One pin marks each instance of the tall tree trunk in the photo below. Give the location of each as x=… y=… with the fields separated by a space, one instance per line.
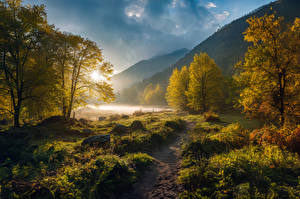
x=70 y=106
x=64 y=103
x=17 y=116
x=282 y=81
x=203 y=93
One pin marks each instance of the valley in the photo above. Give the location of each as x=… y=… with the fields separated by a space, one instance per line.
x=219 y=121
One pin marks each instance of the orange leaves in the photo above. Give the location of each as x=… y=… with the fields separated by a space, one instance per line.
x=293 y=140
x=263 y=29
x=270 y=72
x=284 y=137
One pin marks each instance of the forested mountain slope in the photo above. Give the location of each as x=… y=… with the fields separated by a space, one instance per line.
x=227 y=45
x=146 y=68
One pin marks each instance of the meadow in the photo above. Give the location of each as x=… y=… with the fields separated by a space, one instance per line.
x=218 y=159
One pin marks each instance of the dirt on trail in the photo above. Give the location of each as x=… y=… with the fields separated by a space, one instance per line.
x=160 y=180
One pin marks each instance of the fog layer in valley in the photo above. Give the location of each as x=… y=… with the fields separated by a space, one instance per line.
x=92 y=112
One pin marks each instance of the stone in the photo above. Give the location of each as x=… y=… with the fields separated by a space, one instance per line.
x=83 y=121
x=101 y=118
x=97 y=140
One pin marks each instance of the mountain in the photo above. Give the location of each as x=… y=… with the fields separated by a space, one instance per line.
x=227 y=45
x=145 y=69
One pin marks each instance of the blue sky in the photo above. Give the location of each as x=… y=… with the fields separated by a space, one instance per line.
x=131 y=30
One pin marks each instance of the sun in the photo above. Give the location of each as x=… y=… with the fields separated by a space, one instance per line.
x=96 y=76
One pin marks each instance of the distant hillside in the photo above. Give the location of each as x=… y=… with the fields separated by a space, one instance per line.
x=227 y=45
x=145 y=69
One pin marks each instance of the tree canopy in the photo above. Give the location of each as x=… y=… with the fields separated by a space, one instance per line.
x=270 y=72
x=44 y=71
x=178 y=85
x=204 y=90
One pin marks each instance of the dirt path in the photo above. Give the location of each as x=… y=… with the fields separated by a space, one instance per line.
x=160 y=180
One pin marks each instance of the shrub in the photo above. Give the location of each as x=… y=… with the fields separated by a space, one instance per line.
x=177 y=125
x=119 y=129
x=138 y=113
x=253 y=171
x=153 y=119
x=286 y=137
x=114 y=117
x=211 y=117
x=202 y=148
x=84 y=121
x=139 y=161
x=100 y=178
x=293 y=140
x=234 y=136
x=267 y=135
x=123 y=116
x=137 y=125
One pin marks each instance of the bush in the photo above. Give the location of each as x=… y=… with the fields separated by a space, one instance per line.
x=251 y=171
x=137 y=125
x=123 y=116
x=211 y=117
x=177 y=125
x=119 y=129
x=141 y=141
x=293 y=140
x=138 y=113
x=114 y=117
x=268 y=135
x=100 y=178
x=285 y=137
x=139 y=161
x=234 y=136
x=203 y=148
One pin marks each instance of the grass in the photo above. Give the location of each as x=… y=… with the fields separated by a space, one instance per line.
x=219 y=161
x=48 y=161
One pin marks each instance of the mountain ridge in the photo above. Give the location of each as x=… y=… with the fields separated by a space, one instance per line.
x=227 y=46
x=146 y=68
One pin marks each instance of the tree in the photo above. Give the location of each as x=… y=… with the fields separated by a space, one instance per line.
x=270 y=71
x=62 y=64
x=43 y=81
x=178 y=85
x=129 y=96
x=20 y=32
x=86 y=57
x=153 y=95
x=204 y=91
x=44 y=71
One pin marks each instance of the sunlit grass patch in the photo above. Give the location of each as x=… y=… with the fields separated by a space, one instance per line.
x=261 y=172
x=233 y=135
x=241 y=119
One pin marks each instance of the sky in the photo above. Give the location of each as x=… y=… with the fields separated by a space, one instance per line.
x=131 y=30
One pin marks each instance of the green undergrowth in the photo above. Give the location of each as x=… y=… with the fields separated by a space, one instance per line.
x=220 y=162
x=48 y=160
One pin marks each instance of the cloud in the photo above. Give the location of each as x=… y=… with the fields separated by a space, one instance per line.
x=134 y=11
x=211 y=5
x=131 y=30
x=221 y=17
